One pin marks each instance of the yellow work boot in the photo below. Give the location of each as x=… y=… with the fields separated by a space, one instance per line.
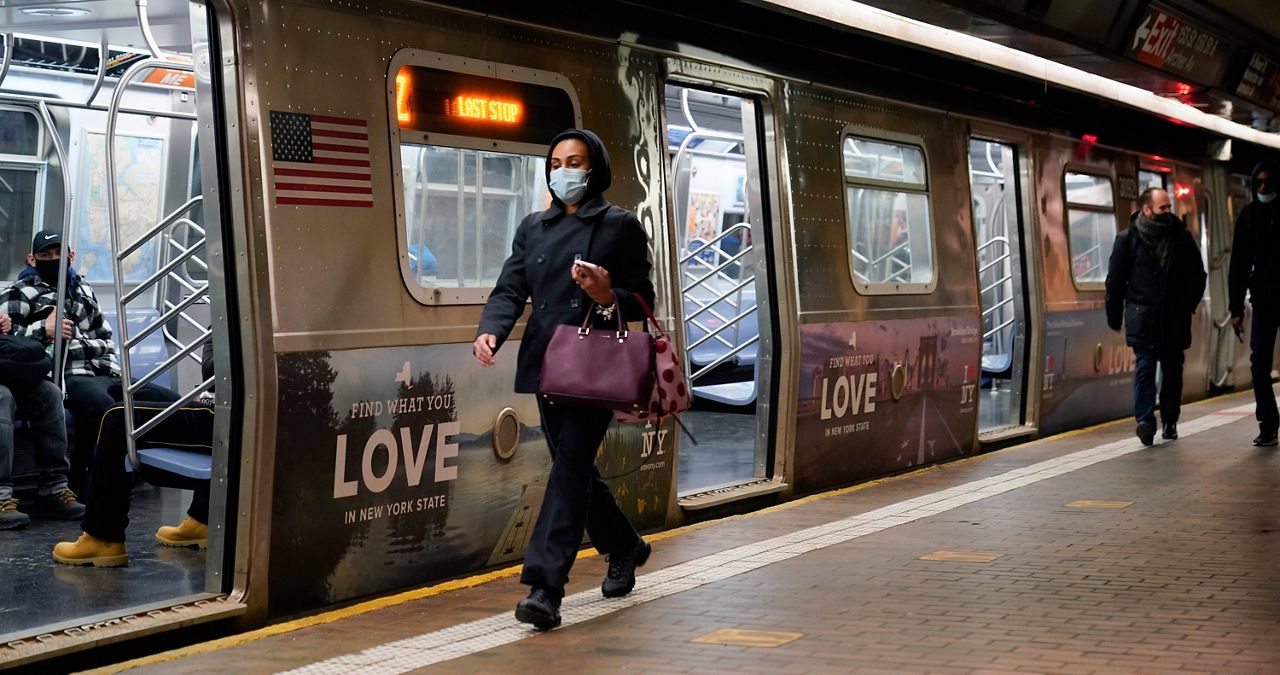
x=90 y=550
x=191 y=533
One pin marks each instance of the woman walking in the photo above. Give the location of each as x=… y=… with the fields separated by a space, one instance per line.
x=581 y=255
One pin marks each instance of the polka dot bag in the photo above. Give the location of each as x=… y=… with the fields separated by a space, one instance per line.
x=670 y=391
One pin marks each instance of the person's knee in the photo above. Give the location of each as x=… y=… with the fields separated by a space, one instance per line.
x=8 y=404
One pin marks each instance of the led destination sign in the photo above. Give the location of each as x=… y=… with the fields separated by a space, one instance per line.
x=485 y=109
x=439 y=101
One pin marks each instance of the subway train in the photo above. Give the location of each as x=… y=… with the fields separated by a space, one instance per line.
x=875 y=253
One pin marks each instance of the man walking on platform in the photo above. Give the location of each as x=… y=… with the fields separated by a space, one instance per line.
x=1154 y=282
x=1255 y=266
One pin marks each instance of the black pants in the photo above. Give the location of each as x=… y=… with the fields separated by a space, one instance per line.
x=1144 y=384
x=107 y=516
x=88 y=398
x=1262 y=343
x=576 y=498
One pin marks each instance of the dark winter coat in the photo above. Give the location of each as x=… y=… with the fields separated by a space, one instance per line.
x=1154 y=304
x=1255 y=249
x=542 y=254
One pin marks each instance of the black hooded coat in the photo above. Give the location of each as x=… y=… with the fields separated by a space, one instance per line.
x=1155 y=303
x=546 y=244
x=1255 y=249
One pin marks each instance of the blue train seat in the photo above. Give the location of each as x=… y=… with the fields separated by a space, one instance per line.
x=713 y=349
x=173 y=467
x=151 y=352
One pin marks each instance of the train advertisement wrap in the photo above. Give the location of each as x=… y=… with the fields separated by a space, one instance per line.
x=875 y=397
x=1088 y=371
x=387 y=474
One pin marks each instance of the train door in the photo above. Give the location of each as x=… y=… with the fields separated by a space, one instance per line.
x=110 y=162
x=998 y=176
x=720 y=213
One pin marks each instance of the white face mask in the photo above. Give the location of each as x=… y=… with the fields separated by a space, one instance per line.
x=569 y=184
x=1266 y=199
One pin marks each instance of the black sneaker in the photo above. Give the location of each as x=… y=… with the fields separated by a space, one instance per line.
x=621 y=577
x=61 y=505
x=1266 y=439
x=541 y=608
x=1170 y=431
x=10 y=517
x=1147 y=432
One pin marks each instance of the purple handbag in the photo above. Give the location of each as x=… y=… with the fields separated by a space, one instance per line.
x=598 y=368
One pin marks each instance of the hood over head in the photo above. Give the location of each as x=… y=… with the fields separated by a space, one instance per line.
x=601 y=171
x=1272 y=167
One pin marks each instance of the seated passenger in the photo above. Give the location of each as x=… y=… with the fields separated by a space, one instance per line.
x=107 y=517
x=90 y=356
x=40 y=402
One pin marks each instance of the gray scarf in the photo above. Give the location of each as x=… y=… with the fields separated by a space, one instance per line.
x=1157 y=233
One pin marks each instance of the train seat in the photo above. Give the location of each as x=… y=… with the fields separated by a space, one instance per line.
x=180 y=463
x=148 y=355
x=728 y=393
x=1000 y=364
x=713 y=349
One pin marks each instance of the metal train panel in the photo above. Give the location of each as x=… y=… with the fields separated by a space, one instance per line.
x=907 y=362
x=387 y=453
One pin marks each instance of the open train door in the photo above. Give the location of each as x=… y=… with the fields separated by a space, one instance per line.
x=1000 y=182
x=724 y=201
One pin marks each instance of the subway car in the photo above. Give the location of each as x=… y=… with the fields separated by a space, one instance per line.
x=875 y=254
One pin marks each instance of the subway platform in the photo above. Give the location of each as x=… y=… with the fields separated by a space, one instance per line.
x=1079 y=553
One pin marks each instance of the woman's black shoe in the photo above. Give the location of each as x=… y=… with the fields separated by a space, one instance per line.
x=541 y=608
x=621 y=577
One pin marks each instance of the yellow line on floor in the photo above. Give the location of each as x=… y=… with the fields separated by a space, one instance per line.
x=484 y=578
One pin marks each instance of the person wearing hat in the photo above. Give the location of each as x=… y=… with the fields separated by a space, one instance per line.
x=89 y=354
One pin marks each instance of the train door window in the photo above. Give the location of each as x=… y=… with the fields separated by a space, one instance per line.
x=1148 y=179
x=21 y=171
x=891 y=247
x=471 y=162
x=1091 y=226
x=719 y=207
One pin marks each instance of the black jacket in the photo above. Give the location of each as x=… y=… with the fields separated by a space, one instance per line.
x=1255 y=249
x=1155 y=304
x=541 y=256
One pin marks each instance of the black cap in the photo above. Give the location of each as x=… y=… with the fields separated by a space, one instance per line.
x=44 y=239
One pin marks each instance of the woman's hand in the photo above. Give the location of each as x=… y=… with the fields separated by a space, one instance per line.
x=594 y=280
x=483 y=349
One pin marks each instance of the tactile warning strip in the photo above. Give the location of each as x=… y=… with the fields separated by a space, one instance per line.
x=476 y=636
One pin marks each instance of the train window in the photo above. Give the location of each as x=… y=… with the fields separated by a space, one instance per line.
x=461 y=211
x=472 y=155
x=19 y=133
x=1150 y=179
x=1091 y=225
x=890 y=235
x=20 y=174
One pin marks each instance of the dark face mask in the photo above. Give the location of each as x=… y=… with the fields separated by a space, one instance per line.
x=48 y=271
x=1167 y=219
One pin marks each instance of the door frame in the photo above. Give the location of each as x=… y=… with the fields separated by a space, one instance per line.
x=1023 y=143
x=779 y=338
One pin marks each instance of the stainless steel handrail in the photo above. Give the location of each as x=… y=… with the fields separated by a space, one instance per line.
x=118 y=254
x=705 y=244
x=7 y=38
x=64 y=259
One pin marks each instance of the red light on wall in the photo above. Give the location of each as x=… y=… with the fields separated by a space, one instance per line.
x=1091 y=139
x=1183 y=89
x=1180 y=190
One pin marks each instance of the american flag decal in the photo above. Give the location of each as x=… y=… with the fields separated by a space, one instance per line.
x=320 y=161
